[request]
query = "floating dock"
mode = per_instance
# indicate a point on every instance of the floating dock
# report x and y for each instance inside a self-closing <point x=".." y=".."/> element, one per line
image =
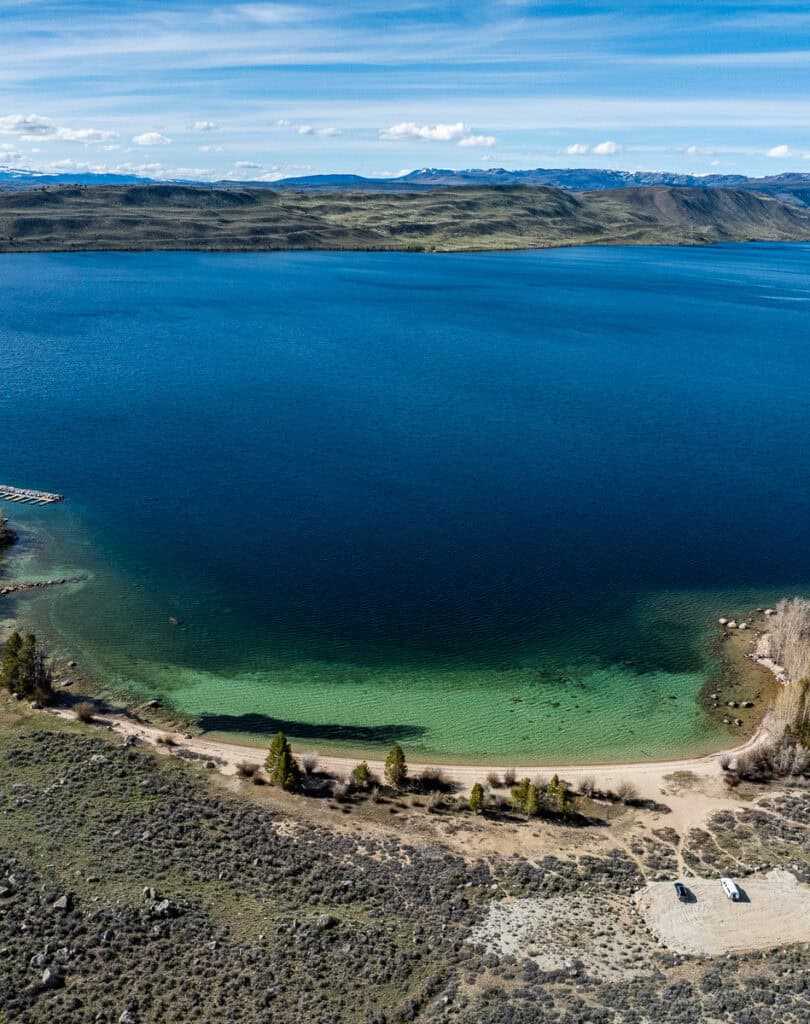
<point x="29" y="497"/>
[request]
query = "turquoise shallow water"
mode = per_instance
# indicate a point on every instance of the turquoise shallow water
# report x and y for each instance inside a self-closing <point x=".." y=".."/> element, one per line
<point x="387" y="494"/>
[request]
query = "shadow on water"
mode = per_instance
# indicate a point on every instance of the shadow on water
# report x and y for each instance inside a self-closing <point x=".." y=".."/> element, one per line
<point x="264" y="725"/>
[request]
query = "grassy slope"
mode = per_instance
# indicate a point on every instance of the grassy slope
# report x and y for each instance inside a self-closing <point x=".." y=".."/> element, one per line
<point x="146" y="217"/>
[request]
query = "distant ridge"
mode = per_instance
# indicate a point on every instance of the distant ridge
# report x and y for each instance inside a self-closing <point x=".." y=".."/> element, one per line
<point x="492" y="217"/>
<point x="792" y="187"/>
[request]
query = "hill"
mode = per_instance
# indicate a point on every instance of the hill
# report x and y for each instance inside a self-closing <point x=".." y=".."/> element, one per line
<point x="792" y="187"/>
<point x="176" y="216"/>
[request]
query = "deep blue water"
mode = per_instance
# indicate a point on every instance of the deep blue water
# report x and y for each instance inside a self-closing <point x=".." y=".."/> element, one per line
<point x="488" y="461"/>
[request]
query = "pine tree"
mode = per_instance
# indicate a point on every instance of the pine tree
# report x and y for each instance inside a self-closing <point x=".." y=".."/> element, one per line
<point x="7" y="535"/>
<point x="526" y="798"/>
<point x="9" y="671"/>
<point x="282" y="768"/>
<point x="557" y="795"/>
<point x="396" y="770"/>
<point x="361" y="776"/>
<point x="24" y="670"/>
<point x="477" y="798"/>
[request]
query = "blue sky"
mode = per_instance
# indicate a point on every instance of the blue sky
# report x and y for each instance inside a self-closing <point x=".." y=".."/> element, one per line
<point x="206" y="89"/>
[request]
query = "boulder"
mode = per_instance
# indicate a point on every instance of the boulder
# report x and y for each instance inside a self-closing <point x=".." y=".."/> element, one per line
<point x="63" y="903"/>
<point x="52" y="978"/>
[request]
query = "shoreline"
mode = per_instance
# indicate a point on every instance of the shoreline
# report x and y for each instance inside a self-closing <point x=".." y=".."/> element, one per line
<point x="737" y="657"/>
<point x="650" y="778"/>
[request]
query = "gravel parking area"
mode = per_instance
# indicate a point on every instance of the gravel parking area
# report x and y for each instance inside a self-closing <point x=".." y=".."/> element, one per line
<point x="775" y="911"/>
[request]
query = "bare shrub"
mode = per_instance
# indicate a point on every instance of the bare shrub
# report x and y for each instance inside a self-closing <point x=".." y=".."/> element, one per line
<point x="245" y="770"/>
<point x="755" y="765"/>
<point x="725" y="762"/>
<point x="309" y="761"/>
<point x="587" y="785"/>
<point x="85" y="711"/>
<point x="433" y="780"/>
<point x="509" y="777"/>
<point x="341" y="790"/>
<point x="626" y="791"/>
<point x="258" y="779"/>
<point x="541" y="782"/>
<point x="790" y="637"/>
<point x="435" y="802"/>
<point x="166" y="740"/>
<point x="375" y="794"/>
<point x="494" y="780"/>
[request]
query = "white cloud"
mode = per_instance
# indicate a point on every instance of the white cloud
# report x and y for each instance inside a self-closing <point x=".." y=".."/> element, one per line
<point x="778" y="152"/>
<point x="698" y="151"/>
<point x="308" y="129"/>
<point x="30" y="124"/>
<point x="151" y="139"/>
<point x="247" y="165"/>
<point x="607" y="148"/>
<point x="83" y="135"/>
<point x="210" y="149"/>
<point x="577" y="149"/>
<point x="477" y="140"/>
<point x="434" y="133"/>
<point x="31" y="127"/>
<point x="205" y="126"/>
<point x="283" y="123"/>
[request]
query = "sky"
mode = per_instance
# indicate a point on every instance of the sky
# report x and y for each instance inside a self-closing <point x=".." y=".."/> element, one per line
<point x="210" y="89"/>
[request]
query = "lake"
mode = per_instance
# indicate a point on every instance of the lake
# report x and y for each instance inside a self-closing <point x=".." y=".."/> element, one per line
<point x="489" y="505"/>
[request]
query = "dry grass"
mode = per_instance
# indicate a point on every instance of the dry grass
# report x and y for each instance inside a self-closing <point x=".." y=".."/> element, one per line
<point x="790" y="637"/>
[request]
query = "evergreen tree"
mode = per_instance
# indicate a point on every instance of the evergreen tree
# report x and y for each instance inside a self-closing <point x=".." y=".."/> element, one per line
<point x="526" y="798"/>
<point x="396" y="770"/>
<point x="24" y="670"/>
<point x="9" y="671"/>
<point x="361" y="776"/>
<point x="282" y="768"/>
<point x="7" y="535"/>
<point x="532" y="801"/>
<point x="557" y="795"/>
<point x="477" y="798"/>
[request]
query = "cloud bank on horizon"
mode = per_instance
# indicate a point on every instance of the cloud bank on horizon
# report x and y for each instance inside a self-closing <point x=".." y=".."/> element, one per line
<point x="214" y="89"/>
